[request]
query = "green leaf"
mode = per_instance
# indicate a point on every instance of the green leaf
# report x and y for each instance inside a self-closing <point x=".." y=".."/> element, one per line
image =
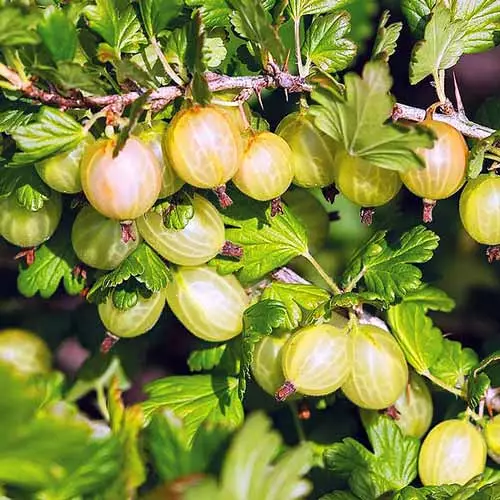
<point x="223" y="357"/>
<point x="476" y="388"/>
<point x="17" y="27"/>
<point x="339" y="495"/>
<point x="71" y="75"/>
<point x="125" y="297"/>
<point x="444" y="492"/>
<point x="259" y="320"/>
<point x="254" y="468"/>
<point x="420" y="340"/>
<point x="143" y="265"/>
<point x="431" y="298"/>
<point x="117" y="23"/>
<point x="44" y="448"/>
<point x="11" y="119"/>
<point x="358" y="120"/>
<point x="58" y="34"/>
<point x="391" y="466"/>
<point x="174" y="454"/>
<point x="387" y="38"/>
<point x="214" y="13"/>
<point x="177" y="212"/>
<point x="32" y="192"/>
<point x="325" y="43"/>
<point x="417" y="13"/>
<point x="158" y="14"/>
<point x="454" y="363"/>
<point x="388" y="271"/>
<point x="267" y="242"/>
<point x="477" y="154"/>
<point x="482" y="21"/>
<point x="51" y="133"/>
<point x="197" y="400"/>
<point x="214" y="51"/>
<point x="298" y="300"/>
<point x="351" y="299"/>
<point x="54" y="263"/>
<point x="442" y="45"/>
<point x="194" y="60"/>
<point x="254" y="23"/>
<point x="299" y="8"/>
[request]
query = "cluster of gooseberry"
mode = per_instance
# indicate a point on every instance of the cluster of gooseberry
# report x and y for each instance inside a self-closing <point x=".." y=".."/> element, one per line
<point x="366" y="363"/>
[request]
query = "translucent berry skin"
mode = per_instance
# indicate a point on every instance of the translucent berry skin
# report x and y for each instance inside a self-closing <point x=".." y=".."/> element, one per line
<point x="233" y="112"/>
<point x="25" y="228"/>
<point x="203" y="146"/>
<point x="209" y="305"/>
<point x="62" y="172"/>
<point x="24" y="351"/>
<point x="445" y="164"/>
<point x="452" y="453"/>
<point x="266" y="171"/>
<point x="480" y="209"/>
<point x="310" y="212"/>
<point x="313" y="151"/>
<point x="153" y="136"/>
<point x="317" y="359"/>
<point x="134" y="321"/>
<point x="97" y="240"/>
<point x="266" y="363"/>
<point x="121" y="188"/>
<point x="365" y="184"/>
<point x="379" y="370"/>
<point x="492" y="437"/>
<point x="197" y="243"/>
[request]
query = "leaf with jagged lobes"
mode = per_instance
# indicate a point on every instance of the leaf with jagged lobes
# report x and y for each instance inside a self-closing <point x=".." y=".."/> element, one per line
<point x="358" y="118"/>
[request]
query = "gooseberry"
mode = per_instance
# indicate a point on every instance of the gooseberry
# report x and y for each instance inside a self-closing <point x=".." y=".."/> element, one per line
<point x="445" y="166"/>
<point x="365" y="184"/>
<point x="198" y="242"/>
<point x="135" y="320"/>
<point x="316" y="360"/>
<point x="204" y="146"/>
<point x="492" y="437"/>
<point x="266" y="170"/>
<point x="121" y="188"/>
<point x="379" y="370"/>
<point x="240" y="115"/>
<point x="152" y="136"/>
<point x="452" y="453"/>
<point x="310" y="212"/>
<point x="98" y="242"/>
<point x="25" y="228"/>
<point x="24" y="351"/>
<point x="62" y="172"/>
<point x="209" y="305"/>
<point x="266" y="363"/>
<point x="480" y="210"/>
<point x="313" y="152"/>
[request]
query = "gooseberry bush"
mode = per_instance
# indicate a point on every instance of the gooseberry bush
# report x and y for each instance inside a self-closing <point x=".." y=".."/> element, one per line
<point x="223" y="199"/>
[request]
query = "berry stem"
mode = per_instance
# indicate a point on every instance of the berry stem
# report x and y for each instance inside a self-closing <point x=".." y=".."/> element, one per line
<point x="493" y="253"/>
<point x="428" y="208"/>
<point x="224" y="199"/>
<point x="366" y="215"/>
<point x="109" y="341"/>
<point x="296" y="421"/>
<point x="444" y="385"/>
<point x="333" y="286"/>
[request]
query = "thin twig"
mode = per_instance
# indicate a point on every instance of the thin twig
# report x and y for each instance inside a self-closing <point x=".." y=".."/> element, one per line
<point x="166" y="66"/>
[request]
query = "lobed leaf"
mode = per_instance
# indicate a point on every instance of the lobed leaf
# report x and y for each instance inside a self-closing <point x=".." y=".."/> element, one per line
<point x="198" y="400"/>
<point x="299" y="8"/>
<point x="54" y="263"/>
<point x="17" y="27"/>
<point x="387" y="38"/>
<point x="388" y="271"/>
<point x="441" y="47"/>
<point x="59" y="35"/>
<point x="158" y="14"/>
<point x="391" y="466"/>
<point x="51" y="133"/>
<point x="326" y="44"/>
<point x="357" y="120"/>
<point x="223" y="358"/>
